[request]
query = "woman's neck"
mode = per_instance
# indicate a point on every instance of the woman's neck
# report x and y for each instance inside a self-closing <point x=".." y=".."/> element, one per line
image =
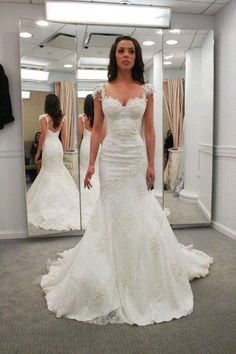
<point x="124" y="77"/>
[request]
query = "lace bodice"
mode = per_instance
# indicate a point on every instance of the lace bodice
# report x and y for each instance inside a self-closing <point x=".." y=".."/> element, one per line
<point x="123" y="121"/>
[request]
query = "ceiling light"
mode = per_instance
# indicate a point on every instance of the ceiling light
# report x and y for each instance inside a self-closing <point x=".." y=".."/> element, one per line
<point x="159" y="31"/>
<point x="177" y="31"/>
<point x="89" y="74"/>
<point x="42" y="23"/>
<point x="25" y="35"/>
<point x="108" y="14"/>
<point x="168" y="56"/>
<point x="37" y="75"/>
<point x="171" y="42"/>
<point x="25" y="94"/>
<point x="87" y="61"/>
<point x="68" y="65"/>
<point x="31" y="61"/>
<point x="82" y="94"/>
<point x="148" y="43"/>
<point x="167" y="62"/>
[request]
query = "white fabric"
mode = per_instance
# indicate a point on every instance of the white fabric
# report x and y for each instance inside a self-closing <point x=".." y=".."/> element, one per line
<point x="88" y="196"/>
<point x="128" y="267"/>
<point x="53" y="198"/>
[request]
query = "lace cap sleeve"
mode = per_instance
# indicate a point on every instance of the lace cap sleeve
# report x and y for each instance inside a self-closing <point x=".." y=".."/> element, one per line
<point x="42" y="116"/>
<point x="98" y="90"/>
<point x="148" y="89"/>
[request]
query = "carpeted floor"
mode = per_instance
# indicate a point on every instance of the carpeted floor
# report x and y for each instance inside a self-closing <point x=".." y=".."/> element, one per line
<point x="27" y="327"/>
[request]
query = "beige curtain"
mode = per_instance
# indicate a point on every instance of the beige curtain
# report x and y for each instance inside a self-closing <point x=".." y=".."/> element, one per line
<point x="65" y="91"/>
<point x="174" y="102"/>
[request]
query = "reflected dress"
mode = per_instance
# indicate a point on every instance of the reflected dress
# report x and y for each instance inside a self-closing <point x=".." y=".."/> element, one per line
<point x="53" y="201"/>
<point x="129" y="266"/>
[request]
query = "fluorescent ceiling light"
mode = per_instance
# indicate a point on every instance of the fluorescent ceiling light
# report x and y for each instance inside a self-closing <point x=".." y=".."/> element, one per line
<point x="168" y="56"/>
<point x="25" y="94"/>
<point x="171" y="42"/>
<point x="68" y="65"/>
<point x="159" y="31"/>
<point x="37" y="75"/>
<point x="34" y="61"/>
<point x="87" y="61"/>
<point x="42" y="23"/>
<point x="82" y="94"/>
<point x="167" y="62"/>
<point x="25" y="35"/>
<point x="148" y="43"/>
<point x="175" y="31"/>
<point x="89" y="74"/>
<point x="108" y="14"/>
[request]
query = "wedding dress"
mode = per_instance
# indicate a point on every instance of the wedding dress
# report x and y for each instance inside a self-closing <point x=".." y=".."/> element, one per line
<point x="129" y="266"/>
<point x="53" y="201"/>
<point x="88" y="196"/>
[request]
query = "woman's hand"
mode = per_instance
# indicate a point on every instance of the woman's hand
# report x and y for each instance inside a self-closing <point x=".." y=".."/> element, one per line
<point x="36" y="158"/>
<point x="150" y="177"/>
<point x="88" y="176"/>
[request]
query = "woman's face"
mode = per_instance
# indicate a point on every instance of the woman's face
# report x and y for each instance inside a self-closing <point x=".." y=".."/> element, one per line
<point x="37" y="137"/>
<point x="125" y="55"/>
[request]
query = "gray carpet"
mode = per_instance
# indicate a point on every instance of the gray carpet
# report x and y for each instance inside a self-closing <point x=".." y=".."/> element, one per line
<point x="27" y="327"/>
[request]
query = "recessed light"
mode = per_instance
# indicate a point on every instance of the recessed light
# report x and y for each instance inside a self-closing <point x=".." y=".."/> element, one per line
<point x="167" y="62"/>
<point x="148" y="43"/>
<point x="68" y="66"/>
<point x="168" y="56"/>
<point x="171" y="42"/>
<point x="42" y="23"/>
<point x="175" y="31"/>
<point x="159" y="31"/>
<point x="25" y="35"/>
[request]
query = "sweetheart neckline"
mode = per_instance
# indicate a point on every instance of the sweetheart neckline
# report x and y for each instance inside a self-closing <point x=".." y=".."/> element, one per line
<point x="127" y="102"/>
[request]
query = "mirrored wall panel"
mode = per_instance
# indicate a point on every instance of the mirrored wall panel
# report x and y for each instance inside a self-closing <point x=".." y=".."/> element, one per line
<point x="50" y="132"/>
<point x="188" y="68"/>
<point x="93" y="47"/>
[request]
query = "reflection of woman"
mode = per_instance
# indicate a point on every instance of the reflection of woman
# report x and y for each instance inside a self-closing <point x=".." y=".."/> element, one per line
<point x="53" y="199"/>
<point x="33" y="151"/>
<point x="129" y="266"/>
<point x="88" y="197"/>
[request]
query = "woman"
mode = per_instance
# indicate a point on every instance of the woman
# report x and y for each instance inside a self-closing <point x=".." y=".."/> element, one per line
<point x="53" y="198"/>
<point x="33" y="151"/>
<point x="88" y="197"/>
<point x="129" y="266"/>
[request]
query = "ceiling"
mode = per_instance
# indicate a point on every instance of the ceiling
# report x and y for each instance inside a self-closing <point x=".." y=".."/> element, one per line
<point x="200" y="7"/>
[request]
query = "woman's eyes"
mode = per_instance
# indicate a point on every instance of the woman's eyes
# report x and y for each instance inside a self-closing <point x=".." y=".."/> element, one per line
<point x="130" y="51"/>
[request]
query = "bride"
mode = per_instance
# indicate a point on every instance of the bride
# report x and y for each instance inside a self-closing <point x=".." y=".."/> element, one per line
<point x="53" y="198"/>
<point x="129" y="266"/>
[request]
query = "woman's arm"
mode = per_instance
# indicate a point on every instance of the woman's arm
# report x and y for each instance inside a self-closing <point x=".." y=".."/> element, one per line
<point x="149" y="133"/>
<point x="80" y="128"/>
<point x="63" y="134"/>
<point x="43" y="130"/>
<point x="95" y="139"/>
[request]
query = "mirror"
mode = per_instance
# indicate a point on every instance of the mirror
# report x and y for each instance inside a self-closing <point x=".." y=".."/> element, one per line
<point x="52" y="183"/>
<point x="188" y="67"/>
<point x="94" y="43"/>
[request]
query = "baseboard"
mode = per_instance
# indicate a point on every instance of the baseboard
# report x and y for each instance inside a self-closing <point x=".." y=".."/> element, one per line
<point x="204" y="210"/>
<point x="7" y="235"/>
<point x="225" y="230"/>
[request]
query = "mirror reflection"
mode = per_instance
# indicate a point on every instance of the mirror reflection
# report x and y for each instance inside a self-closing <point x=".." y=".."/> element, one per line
<point x="188" y="126"/>
<point x="94" y="43"/>
<point x="48" y="74"/>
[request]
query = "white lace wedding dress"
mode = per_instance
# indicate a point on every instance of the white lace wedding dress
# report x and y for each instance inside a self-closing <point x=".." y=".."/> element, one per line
<point x="128" y="267"/>
<point x="88" y="196"/>
<point x="53" y="201"/>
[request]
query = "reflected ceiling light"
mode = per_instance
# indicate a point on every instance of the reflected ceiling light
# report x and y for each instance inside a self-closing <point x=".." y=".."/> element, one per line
<point x="25" y="35"/>
<point x="177" y="31"/>
<point x="31" y="61"/>
<point x="37" y="75"/>
<point x="108" y="14"/>
<point x="42" y="23"/>
<point x="168" y="56"/>
<point x="89" y="74"/>
<point x="25" y="94"/>
<point x="171" y="42"/>
<point x="68" y="65"/>
<point x="167" y="62"/>
<point x="148" y="43"/>
<point x="159" y="31"/>
<point x="82" y="94"/>
<point x="87" y="61"/>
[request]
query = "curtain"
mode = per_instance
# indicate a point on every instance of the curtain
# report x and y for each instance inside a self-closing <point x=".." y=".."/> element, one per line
<point x="174" y="104"/>
<point x="65" y="91"/>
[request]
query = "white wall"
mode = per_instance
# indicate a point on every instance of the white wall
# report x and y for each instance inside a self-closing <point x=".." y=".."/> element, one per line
<point x="224" y="196"/>
<point x="12" y="193"/>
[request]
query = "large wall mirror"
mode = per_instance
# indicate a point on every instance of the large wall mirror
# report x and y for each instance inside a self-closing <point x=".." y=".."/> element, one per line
<point x="48" y="66"/>
<point x="94" y="43"/>
<point x="188" y="67"/>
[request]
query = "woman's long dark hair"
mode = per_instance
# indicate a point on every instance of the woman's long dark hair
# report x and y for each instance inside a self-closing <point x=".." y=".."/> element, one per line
<point x="53" y="108"/>
<point x="138" y="68"/>
<point x="89" y="109"/>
